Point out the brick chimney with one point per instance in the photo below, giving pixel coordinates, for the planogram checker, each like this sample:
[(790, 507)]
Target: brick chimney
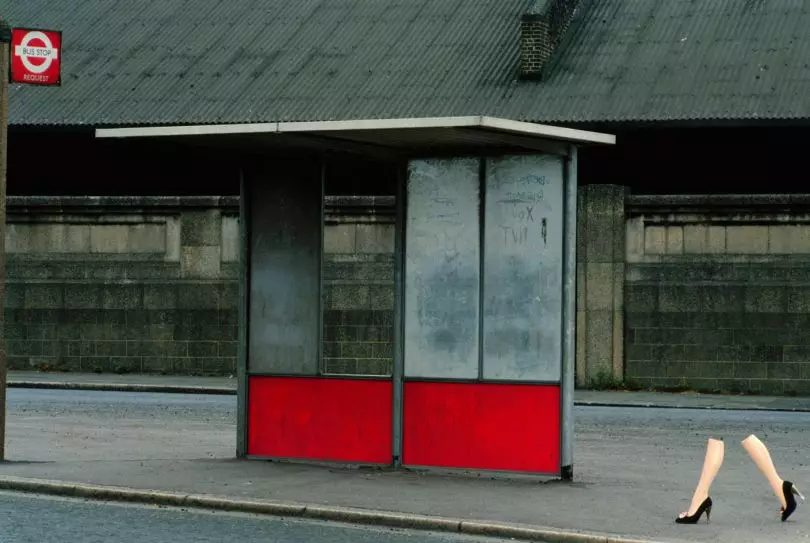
[(542, 28)]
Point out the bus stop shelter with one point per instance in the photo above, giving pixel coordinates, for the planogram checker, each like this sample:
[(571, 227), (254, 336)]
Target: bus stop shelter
[(482, 374)]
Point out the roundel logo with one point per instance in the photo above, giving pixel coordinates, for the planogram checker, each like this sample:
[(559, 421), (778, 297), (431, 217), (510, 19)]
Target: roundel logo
[(36, 56)]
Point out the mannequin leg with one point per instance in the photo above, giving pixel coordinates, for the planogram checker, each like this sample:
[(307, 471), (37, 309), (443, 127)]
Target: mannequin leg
[(711, 465), (759, 453)]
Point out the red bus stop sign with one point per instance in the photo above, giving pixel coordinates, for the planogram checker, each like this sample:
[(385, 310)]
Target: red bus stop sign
[(36, 56)]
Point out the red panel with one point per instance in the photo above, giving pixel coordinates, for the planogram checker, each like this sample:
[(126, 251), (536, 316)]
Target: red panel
[(320, 419), (482, 426)]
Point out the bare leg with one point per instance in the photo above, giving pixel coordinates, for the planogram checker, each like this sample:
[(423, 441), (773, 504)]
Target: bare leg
[(711, 465), (759, 453)]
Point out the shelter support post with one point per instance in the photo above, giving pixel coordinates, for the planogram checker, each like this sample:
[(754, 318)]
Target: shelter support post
[(569, 319)]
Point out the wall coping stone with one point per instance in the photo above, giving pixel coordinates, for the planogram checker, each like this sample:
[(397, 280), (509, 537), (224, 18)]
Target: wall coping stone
[(371, 205), (639, 204)]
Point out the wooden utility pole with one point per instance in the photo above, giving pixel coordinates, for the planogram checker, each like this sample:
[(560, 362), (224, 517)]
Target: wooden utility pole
[(5, 40)]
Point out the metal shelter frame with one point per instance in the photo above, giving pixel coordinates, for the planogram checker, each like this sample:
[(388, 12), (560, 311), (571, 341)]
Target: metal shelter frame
[(406, 139)]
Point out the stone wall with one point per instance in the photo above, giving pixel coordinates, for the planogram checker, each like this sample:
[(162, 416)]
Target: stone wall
[(151, 284), (718, 293), (122, 284), (358, 296), (707, 292), (600, 282)]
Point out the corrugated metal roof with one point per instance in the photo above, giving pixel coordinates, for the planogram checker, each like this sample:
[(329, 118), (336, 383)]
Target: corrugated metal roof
[(222, 61)]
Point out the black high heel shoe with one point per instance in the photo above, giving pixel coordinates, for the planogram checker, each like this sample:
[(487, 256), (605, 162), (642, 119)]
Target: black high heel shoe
[(789, 490), (705, 506)]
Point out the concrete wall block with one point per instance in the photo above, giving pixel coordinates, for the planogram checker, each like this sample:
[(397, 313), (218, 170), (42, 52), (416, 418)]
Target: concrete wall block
[(199, 296), (638, 352), (160, 296), (350, 297), (600, 242), (202, 262), (381, 297), (14, 297), (122, 297), (339, 366), (782, 370), (201, 228), (356, 350), (228, 301), (77, 238), (582, 224), (724, 299), (655, 240), (640, 298), (717, 370), (679, 298), (147, 238), (382, 350), (82, 296), (674, 240), (203, 349), (599, 285), (695, 238), (43, 296), (230, 238), (17, 239), (45, 237), (227, 349), (716, 239), (618, 345), (109, 238), (110, 348), (581, 348), (374, 366), (750, 370), (634, 242), (618, 286), (598, 348), (668, 353), (173, 235), (747, 239), (797, 386), (700, 353), (339, 238), (581, 285), (374, 238), (789, 239), (765, 299), (798, 300), (646, 336), (796, 353), (618, 221), (767, 353), (159, 365), (603, 228), (218, 366)]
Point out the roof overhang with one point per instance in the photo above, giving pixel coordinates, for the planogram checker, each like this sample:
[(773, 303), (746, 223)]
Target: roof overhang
[(391, 136)]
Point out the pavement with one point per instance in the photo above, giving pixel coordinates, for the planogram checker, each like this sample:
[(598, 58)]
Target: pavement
[(634, 468), (122, 382), (227, 386)]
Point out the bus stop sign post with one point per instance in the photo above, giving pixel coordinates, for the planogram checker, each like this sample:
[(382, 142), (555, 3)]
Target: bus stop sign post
[(29, 57), (5, 40)]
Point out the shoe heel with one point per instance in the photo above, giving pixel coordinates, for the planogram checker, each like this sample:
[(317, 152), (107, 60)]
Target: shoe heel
[(796, 491), (705, 507)]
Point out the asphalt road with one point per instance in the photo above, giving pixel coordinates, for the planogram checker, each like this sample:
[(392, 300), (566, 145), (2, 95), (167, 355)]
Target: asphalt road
[(52, 520)]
